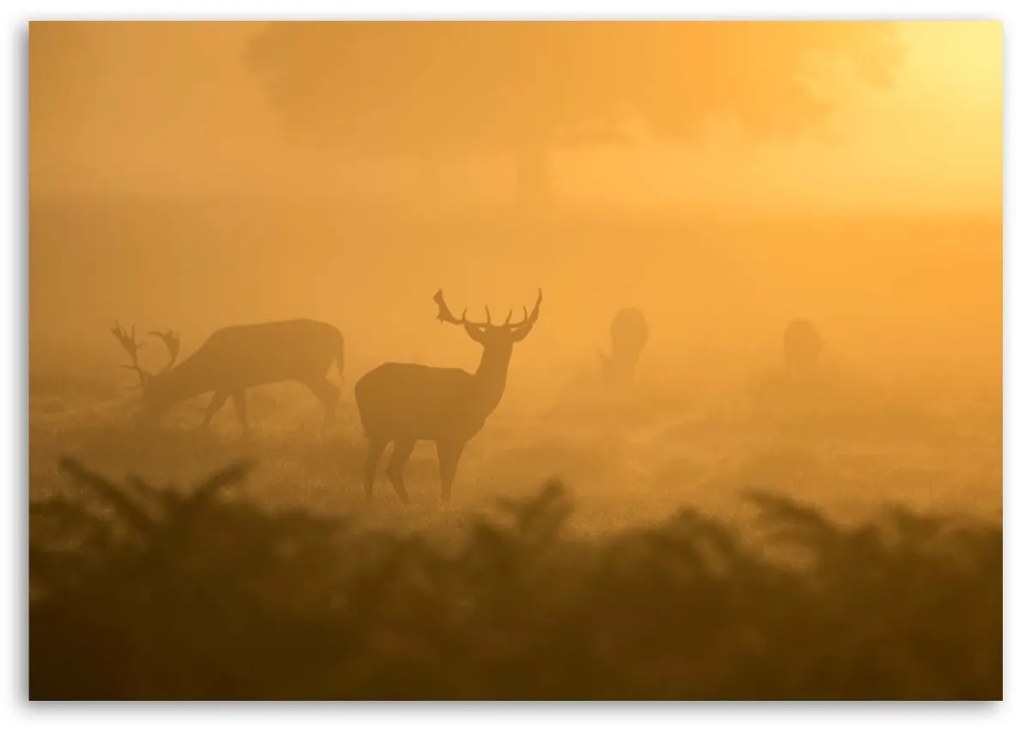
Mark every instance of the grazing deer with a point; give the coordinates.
(802, 348)
(236, 358)
(406, 402)
(628, 335)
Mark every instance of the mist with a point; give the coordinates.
(842, 178)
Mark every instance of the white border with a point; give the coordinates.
(446, 717)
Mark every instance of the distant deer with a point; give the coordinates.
(628, 335)
(405, 402)
(802, 348)
(238, 357)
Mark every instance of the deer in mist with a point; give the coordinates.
(802, 349)
(238, 357)
(628, 335)
(406, 402)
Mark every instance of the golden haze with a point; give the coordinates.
(807, 218)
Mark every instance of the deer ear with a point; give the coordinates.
(475, 332)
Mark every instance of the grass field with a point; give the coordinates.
(631, 458)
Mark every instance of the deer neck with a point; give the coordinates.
(490, 378)
(175, 385)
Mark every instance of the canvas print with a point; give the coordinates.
(515, 360)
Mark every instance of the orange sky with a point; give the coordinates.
(120, 108)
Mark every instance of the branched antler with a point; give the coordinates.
(447, 317)
(528, 319)
(130, 344)
(444, 312)
(172, 341)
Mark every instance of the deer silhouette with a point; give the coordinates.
(236, 358)
(628, 335)
(405, 402)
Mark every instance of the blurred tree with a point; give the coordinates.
(419, 88)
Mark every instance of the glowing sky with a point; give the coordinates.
(174, 109)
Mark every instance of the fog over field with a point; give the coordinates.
(197, 176)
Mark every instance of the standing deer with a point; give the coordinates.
(628, 335)
(406, 402)
(238, 357)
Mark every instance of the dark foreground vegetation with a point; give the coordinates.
(140, 592)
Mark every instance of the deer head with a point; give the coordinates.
(498, 338)
(147, 381)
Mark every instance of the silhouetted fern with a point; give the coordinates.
(144, 592)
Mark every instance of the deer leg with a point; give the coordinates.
(395, 470)
(218, 400)
(449, 456)
(375, 450)
(241, 402)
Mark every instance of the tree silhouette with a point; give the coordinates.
(423, 88)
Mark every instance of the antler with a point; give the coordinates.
(172, 341)
(132, 346)
(528, 319)
(447, 317)
(444, 312)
